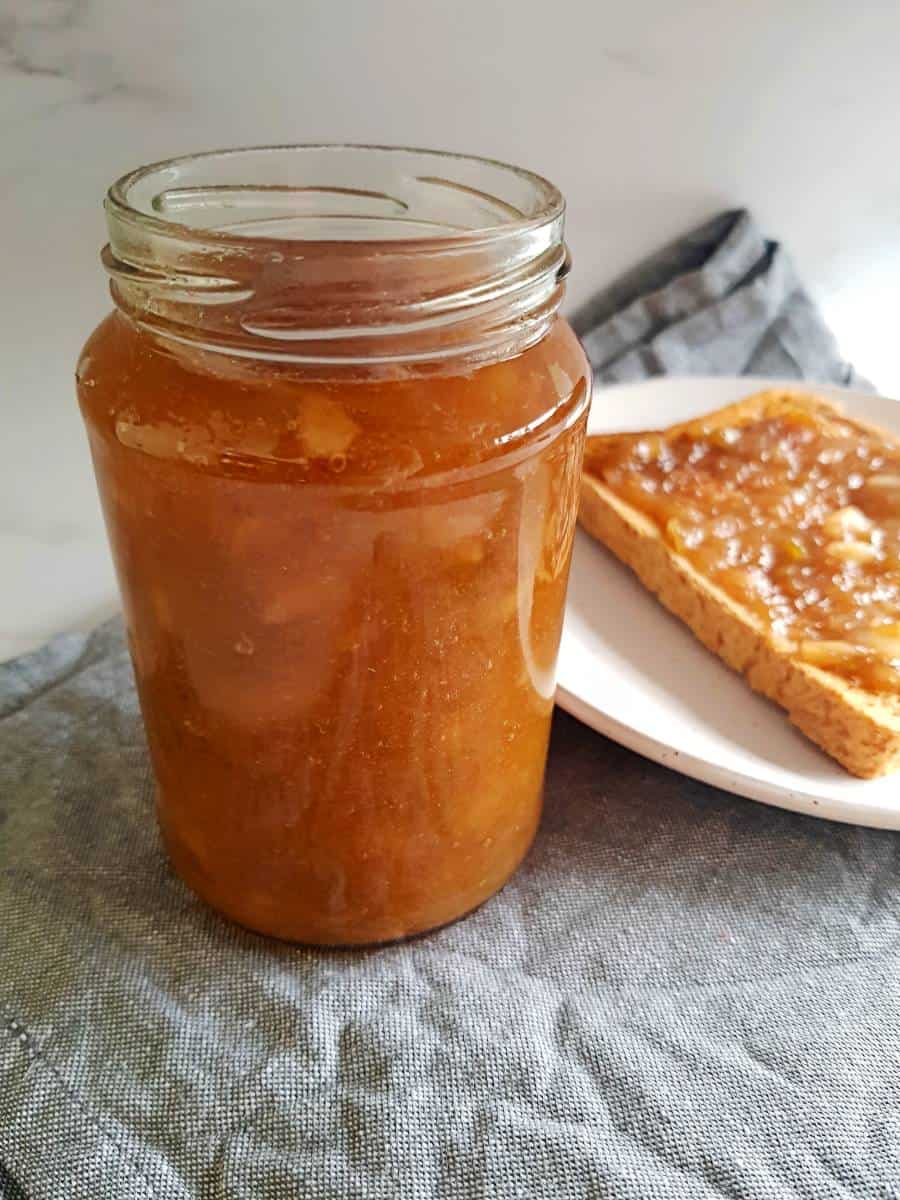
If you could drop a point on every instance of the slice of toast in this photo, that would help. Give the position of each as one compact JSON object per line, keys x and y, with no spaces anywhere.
{"x":859,"y":728}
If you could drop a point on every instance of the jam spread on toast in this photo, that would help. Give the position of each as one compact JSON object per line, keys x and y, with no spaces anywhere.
{"x":793,"y":511}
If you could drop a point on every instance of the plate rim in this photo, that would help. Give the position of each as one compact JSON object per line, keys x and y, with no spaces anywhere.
{"x":853,"y":810}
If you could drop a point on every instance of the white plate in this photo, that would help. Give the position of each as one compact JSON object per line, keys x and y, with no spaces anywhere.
{"x":632,"y":671}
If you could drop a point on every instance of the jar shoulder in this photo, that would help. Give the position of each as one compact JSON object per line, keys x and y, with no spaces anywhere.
{"x":137,"y":391}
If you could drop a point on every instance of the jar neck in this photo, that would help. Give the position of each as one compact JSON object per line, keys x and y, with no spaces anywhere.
{"x":285,"y":255}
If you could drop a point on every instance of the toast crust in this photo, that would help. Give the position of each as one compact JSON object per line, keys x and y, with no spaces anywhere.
{"x":860,"y":729}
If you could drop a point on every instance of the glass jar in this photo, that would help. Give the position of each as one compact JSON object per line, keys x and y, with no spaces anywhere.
{"x":337,"y":428}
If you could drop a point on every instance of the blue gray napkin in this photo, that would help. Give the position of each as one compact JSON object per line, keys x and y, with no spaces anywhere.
{"x":722,"y":300}
{"x":680,"y":995}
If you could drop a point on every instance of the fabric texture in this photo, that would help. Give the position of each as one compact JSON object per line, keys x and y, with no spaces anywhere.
{"x":722,"y":300}
{"x":680,"y":994}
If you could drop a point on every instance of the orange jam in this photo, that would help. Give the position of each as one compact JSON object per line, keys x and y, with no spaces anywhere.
{"x":343,"y":579}
{"x":795,"y":515}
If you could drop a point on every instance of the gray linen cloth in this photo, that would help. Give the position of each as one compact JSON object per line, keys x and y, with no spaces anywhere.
{"x":722,"y":300}
{"x":680,"y":994}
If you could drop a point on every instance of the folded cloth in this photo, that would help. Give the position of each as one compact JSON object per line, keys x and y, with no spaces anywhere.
{"x":723,"y":300}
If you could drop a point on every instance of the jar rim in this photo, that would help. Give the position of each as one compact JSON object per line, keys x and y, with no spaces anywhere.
{"x":134,"y":198}
{"x":338,"y":253}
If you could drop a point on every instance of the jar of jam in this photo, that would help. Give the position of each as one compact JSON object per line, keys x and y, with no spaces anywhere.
{"x":337,"y":427}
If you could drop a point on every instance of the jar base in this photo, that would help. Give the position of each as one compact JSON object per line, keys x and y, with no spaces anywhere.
{"x":190,"y":878}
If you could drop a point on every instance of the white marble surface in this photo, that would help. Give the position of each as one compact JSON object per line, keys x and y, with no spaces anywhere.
{"x":649,"y":115}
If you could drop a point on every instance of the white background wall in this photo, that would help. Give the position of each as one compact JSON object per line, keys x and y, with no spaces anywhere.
{"x":650,"y":115}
